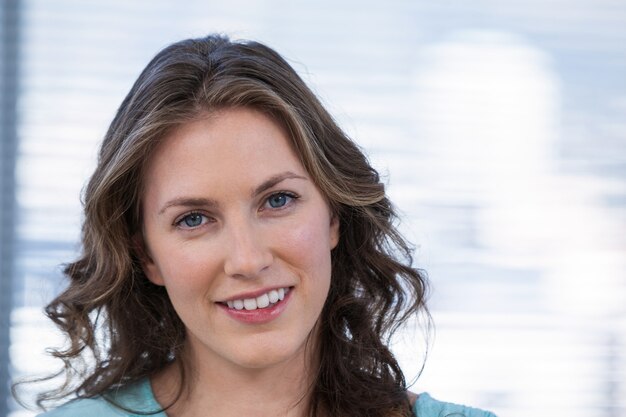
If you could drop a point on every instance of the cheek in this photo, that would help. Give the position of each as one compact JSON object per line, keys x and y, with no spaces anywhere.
{"x":186,"y":269}
{"x":308,"y":244}
{"x":189,"y":279}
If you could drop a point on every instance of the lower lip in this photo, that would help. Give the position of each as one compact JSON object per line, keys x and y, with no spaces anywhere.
{"x":260,"y":315}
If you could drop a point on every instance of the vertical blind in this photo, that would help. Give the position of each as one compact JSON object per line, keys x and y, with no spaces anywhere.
{"x":9,"y":30}
{"x":498,"y":127}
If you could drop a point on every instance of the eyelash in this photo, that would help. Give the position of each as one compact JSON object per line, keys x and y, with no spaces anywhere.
{"x":292,"y":196}
{"x":179,"y":221}
{"x":288,"y":194}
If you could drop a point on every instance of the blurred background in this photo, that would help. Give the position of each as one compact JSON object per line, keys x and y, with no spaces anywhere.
{"x":499,"y":127}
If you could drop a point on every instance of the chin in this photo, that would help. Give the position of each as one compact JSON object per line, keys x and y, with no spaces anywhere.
{"x":258,"y":362}
{"x":264,"y":356}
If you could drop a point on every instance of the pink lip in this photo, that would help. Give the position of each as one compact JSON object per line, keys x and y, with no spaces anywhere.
{"x":260,"y":315}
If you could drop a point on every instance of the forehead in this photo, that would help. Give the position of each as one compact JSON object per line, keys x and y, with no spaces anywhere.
{"x":229,"y":146}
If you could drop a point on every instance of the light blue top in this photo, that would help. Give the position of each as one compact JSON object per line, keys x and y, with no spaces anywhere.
{"x":139,"y":397}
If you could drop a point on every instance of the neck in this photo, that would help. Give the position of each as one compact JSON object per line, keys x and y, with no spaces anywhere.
{"x":221,"y":389}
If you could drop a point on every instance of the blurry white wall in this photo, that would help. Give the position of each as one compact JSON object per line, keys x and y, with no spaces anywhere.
{"x":499,"y":127}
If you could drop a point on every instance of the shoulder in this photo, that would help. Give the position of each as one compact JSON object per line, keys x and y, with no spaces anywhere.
{"x":136,"y":398}
{"x":85,"y":407}
{"x":427,"y":406}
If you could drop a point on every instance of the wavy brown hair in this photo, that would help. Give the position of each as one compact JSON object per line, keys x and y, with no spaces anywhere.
{"x":127,"y":327}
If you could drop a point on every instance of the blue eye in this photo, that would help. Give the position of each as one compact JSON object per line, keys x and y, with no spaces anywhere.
{"x":280,"y":200}
{"x":277,"y":200}
{"x":192,"y":220}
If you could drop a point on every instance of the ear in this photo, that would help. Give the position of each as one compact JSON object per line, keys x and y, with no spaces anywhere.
{"x":334,"y":231}
{"x":147,"y":264}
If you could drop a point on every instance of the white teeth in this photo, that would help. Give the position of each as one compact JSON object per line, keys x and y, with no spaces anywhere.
{"x":262,"y":301}
{"x":249,"y":304}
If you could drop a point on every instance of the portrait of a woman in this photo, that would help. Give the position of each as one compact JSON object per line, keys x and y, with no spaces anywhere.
{"x":239,"y":255}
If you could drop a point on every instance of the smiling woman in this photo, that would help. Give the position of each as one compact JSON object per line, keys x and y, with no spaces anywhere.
{"x":239,"y":255}
{"x":255,"y":239}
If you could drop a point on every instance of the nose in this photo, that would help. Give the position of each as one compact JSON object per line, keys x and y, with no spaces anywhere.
{"x":246,"y":253}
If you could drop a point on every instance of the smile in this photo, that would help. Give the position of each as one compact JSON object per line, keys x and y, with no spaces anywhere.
{"x":262,"y":301}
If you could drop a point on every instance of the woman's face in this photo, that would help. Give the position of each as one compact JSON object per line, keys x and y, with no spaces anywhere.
{"x":240,"y":237}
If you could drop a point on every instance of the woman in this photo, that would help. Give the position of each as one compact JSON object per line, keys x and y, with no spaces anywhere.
{"x":239,"y":254}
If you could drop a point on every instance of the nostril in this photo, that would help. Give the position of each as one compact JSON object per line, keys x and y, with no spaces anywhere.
{"x":248,"y":263}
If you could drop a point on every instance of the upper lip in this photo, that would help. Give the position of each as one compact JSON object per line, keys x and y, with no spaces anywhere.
{"x":253,"y":294}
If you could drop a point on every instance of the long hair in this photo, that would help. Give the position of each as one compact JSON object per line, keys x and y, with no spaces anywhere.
{"x":126,"y":326}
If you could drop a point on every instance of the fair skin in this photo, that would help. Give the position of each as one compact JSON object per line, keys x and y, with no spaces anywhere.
{"x":241,"y":238}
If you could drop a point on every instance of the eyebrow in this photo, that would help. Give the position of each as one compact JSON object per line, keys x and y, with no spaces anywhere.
{"x":188,"y":202}
{"x":208,"y":202}
{"x":275,"y":179}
